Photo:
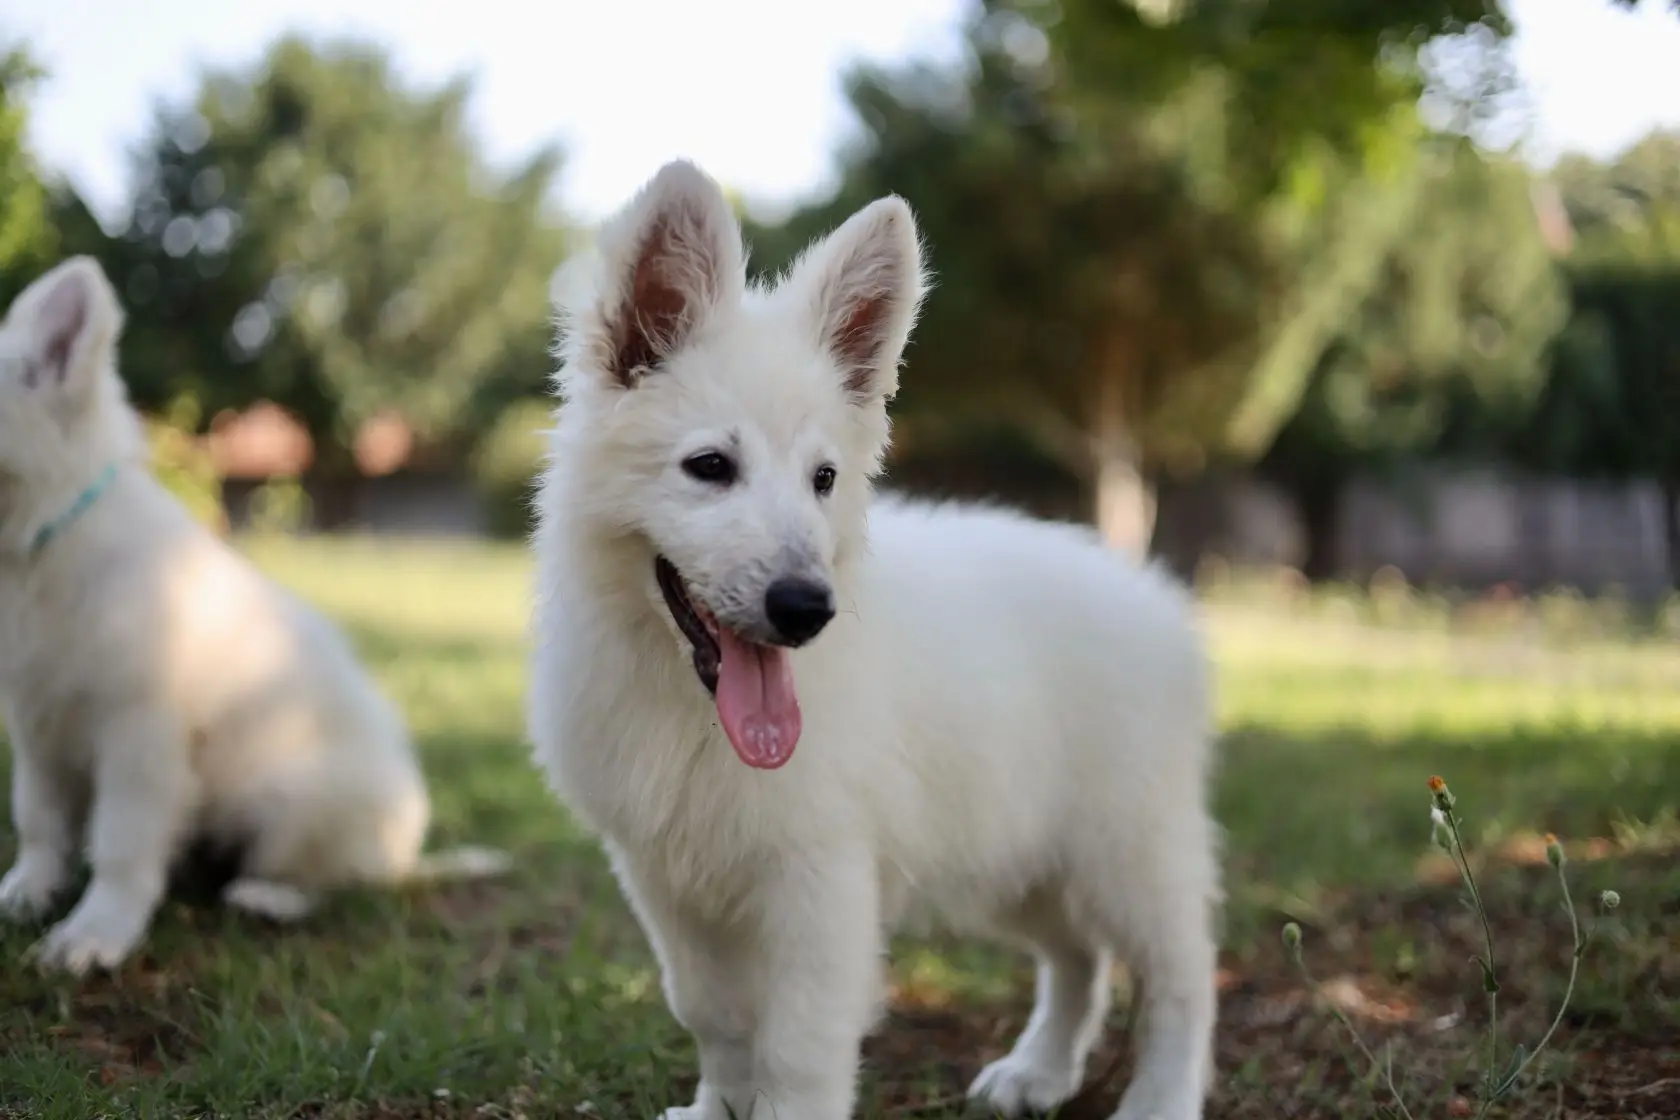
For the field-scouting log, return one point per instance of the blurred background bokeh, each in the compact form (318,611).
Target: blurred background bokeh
(1323,284)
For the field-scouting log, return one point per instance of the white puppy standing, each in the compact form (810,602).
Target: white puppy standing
(158,690)
(799,721)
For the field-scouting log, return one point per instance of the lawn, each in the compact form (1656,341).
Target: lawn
(536,997)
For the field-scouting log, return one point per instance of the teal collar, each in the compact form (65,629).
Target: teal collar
(84,501)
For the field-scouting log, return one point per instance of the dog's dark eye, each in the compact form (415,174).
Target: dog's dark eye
(823,480)
(710,467)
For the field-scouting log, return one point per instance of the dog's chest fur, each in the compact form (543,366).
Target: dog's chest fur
(37,617)
(638,755)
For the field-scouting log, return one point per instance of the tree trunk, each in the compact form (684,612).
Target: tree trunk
(332,481)
(1671,525)
(1125,502)
(333,502)
(1319,522)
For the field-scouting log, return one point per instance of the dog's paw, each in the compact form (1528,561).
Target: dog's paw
(1185,1105)
(95,934)
(278,902)
(1016,1084)
(1183,1110)
(707,1106)
(28,890)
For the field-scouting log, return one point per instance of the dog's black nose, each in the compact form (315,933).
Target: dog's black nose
(798,609)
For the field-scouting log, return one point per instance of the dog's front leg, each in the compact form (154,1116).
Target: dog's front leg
(819,984)
(708,975)
(44,805)
(779,1003)
(143,789)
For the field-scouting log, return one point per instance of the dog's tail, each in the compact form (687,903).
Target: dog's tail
(465,862)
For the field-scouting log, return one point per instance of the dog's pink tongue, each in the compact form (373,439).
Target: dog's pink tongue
(756,701)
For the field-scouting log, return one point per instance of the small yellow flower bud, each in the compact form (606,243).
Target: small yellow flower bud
(1442,796)
(1292,936)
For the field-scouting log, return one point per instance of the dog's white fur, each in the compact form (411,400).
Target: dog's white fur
(1006,726)
(155,687)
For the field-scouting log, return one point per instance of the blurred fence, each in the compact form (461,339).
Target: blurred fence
(1437,526)
(1468,529)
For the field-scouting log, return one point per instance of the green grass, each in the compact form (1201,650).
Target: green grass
(536,996)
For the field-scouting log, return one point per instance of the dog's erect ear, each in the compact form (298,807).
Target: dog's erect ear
(660,266)
(864,284)
(70,318)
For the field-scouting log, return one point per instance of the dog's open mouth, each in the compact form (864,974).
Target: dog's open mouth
(751,682)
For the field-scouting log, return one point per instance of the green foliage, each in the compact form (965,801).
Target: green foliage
(1360,60)
(312,232)
(1137,223)
(280,506)
(1096,307)
(1444,345)
(26,236)
(1627,209)
(1612,403)
(184,465)
(506,463)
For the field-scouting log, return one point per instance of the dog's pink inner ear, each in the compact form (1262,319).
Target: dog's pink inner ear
(858,338)
(63,315)
(674,276)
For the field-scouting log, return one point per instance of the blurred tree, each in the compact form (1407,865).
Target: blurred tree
(315,233)
(1072,301)
(1628,207)
(26,234)
(1611,407)
(1143,237)
(506,464)
(1330,176)
(1297,78)
(1467,301)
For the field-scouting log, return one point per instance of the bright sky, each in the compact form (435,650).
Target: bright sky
(748,88)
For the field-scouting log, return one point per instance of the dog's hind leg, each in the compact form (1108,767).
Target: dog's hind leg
(1165,931)
(1047,1064)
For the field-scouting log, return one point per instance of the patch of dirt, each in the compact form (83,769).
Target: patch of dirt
(1277,1057)
(128,1026)
(1282,1054)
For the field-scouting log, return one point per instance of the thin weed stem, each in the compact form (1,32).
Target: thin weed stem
(1386,1068)
(1490,974)
(1495,1086)
(1577,951)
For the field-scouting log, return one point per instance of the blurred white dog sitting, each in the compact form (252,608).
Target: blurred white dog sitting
(158,691)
